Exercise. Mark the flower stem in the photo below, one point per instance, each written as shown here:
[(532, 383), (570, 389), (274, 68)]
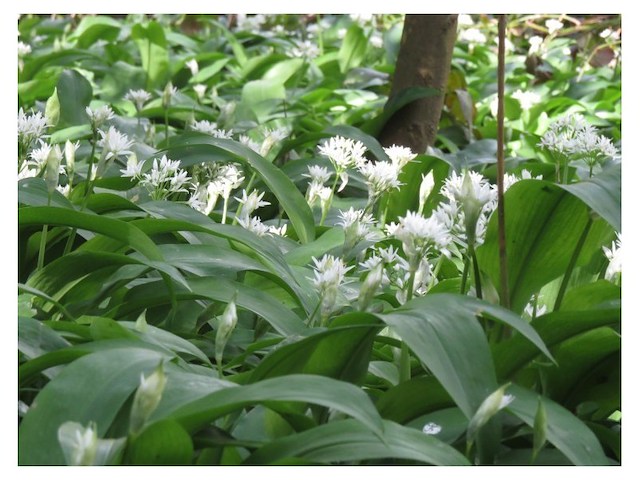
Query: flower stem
[(328, 205), (166, 126), (43, 246), (572, 264), (465, 274), (476, 272)]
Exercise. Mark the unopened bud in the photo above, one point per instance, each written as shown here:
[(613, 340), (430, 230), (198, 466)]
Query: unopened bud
[(52, 172), (489, 407), (79, 444), (52, 109), (369, 287), (147, 398), (70, 156), (426, 186), (226, 324)]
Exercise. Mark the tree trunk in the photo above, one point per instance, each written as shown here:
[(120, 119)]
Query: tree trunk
[(424, 60)]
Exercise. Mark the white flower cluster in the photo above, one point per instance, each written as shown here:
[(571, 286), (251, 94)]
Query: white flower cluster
[(164, 179), (572, 138), (30, 128), (358, 226), (328, 274), (138, 97), (99, 115), (304, 49), (211, 128), (316, 189), (212, 181), (250, 203), (343, 152)]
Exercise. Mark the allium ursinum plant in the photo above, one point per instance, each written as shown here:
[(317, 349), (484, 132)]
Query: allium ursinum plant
[(98, 116), (329, 274), (211, 181), (211, 128), (138, 98), (571, 138), (165, 178), (358, 226), (114, 144), (30, 129)]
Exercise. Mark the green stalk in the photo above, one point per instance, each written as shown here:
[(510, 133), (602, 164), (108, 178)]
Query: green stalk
[(166, 126), (572, 264), (405, 359), (330, 201), (476, 272), (43, 240), (465, 274)]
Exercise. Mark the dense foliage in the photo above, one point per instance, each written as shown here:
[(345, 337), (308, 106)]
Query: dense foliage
[(219, 264)]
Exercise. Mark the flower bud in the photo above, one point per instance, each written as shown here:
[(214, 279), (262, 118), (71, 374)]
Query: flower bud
[(226, 324), (167, 94), (369, 287), (52, 172), (426, 186), (52, 109), (489, 407), (70, 156), (147, 398), (79, 445)]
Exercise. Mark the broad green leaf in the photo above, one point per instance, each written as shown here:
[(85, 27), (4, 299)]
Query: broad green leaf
[(602, 193), (209, 71), (350, 441), (543, 225), (116, 229), (95, 28), (75, 94), (262, 97), (565, 431), (301, 255), (35, 339), (599, 294), (409, 400), (341, 352), (93, 388), (162, 443), (353, 48), (327, 392), (33, 192), (152, 43), (444, 333), (554, 328)]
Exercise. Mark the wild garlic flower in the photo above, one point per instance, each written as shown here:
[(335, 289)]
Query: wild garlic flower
[(79, 444), (318, 174), (510, 179), (168, 94), (426, 187), (255, 225), (192, 65), (358, 226), (114, 143), (472, 35), (204, 126), (553, 25), (64, 190), (572, 138), (222, 133), (535, 44), (165, 178), (138, 97), (134, 168), (99, 115), (201, 90), (304, 49), (70, 149), (328, 274), (343, 152), (380, 177), (527, 99), (251, 202), (198, 199), (147, 398), (419, 235), (614, 255), (270, 138), (399, 156), (30, 128), (23, 49), (315, 192), (38, 156)]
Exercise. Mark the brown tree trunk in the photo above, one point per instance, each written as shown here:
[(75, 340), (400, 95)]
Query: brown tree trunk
[(424, 60)]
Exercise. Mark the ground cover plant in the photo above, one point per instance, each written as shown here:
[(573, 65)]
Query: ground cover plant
[(220, 264)]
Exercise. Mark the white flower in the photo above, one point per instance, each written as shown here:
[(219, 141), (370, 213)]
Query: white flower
[(198, 199), (134, 169), (357, 226), (200, 90), (317, 191), (535, 43), (139, 97), (399, 156), (147, 398), (472, 35), (304, 49), (99, 115), (465, 20), (527, 99), (318, 174), (255, 225), (280, 231), (64, 190), (614, 254), (251, 202), (478, 188), (607, 33), (343, 152), (193, 66), (167, 94), (271, 137), (553, 25), (27, 172), (328, 273), (79, 444), (204, 126), (376, 40), (165, 178), (380, 177), (249, 142), (419, 234), (23, 49), (431, 428), (114, 143), (426, 186), (222, 133), (39, 156), (506, 400), (30, 127), (511, 179)]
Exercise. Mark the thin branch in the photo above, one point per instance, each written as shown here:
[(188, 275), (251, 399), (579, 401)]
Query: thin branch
[(502, 242)]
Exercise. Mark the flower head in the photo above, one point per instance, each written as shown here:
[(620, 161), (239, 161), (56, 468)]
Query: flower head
[(328, 273), (614, 255), (399, 156), (251, 202), (380, 177), (30, 127), (114, 143), (99, 115), (343, 152), (139, 97)]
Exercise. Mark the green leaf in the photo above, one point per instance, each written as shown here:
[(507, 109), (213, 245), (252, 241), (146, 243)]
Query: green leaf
[(209, 71), (342, 352), (289, 198), (116, 229), (566, 432), (350, 441), (513, 354), (75, 93), (409, 400), (262, 97), (602, 194), (35, 339), (444, 333), (539, 429), (52, 109), (95, 28), (353, 48), (152, 44), (301, 255), (543, 223), (93, 388), (162, 443), (327, 392)]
